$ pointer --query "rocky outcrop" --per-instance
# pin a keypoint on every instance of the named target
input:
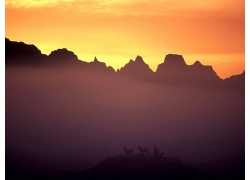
(97, 66)
(137, 69)
(174, 70)
(63, 55)
(19, 53)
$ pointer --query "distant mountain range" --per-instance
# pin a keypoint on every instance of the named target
(173, 70)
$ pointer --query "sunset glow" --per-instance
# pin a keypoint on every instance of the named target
(116, 31)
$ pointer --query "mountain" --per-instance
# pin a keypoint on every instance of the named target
(174, 70)
(100, 67)
(235, 82)
(19, 53)
(201, 72)
(62, 56)
(137, 69)
(65, 112)
(141, 167)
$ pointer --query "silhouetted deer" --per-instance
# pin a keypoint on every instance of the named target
(143, 149)
(157, 153)
(128, 151)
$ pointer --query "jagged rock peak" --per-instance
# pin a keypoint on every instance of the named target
(197, 63)
(98, 63)
(139, 59)
(95, 60)
(174, 59)
(131, 61)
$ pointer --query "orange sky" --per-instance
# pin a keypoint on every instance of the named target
(116, 31)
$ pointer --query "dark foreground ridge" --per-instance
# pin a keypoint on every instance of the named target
(173, 70)
(140, 167)
(146, 167)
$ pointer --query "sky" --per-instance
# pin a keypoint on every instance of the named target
(115, 31)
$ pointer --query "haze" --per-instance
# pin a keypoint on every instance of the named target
(68, 119)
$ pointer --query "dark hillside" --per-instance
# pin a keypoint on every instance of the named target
(141, 167)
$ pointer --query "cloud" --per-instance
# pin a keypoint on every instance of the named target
(30, 3)
(128, 7)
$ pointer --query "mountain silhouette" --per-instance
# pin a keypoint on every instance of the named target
(137, 69)
(172, 61)
(19, 53)
(205, 73)
(62, 56)
(100, 67)
(235, 82)
(141, 167)
(173, 70)
(62, 113)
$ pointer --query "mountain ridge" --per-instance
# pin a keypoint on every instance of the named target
(173, 70)
(167, 59)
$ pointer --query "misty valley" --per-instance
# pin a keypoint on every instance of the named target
(66, 115)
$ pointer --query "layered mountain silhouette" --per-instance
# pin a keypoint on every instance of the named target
(78, 112)
(19, 53)
(173, 70)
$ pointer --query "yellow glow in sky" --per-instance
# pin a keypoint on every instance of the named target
(117, 31)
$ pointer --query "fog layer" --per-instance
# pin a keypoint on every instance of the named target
(66, 119)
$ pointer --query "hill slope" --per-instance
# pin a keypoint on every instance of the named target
(141, 167)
